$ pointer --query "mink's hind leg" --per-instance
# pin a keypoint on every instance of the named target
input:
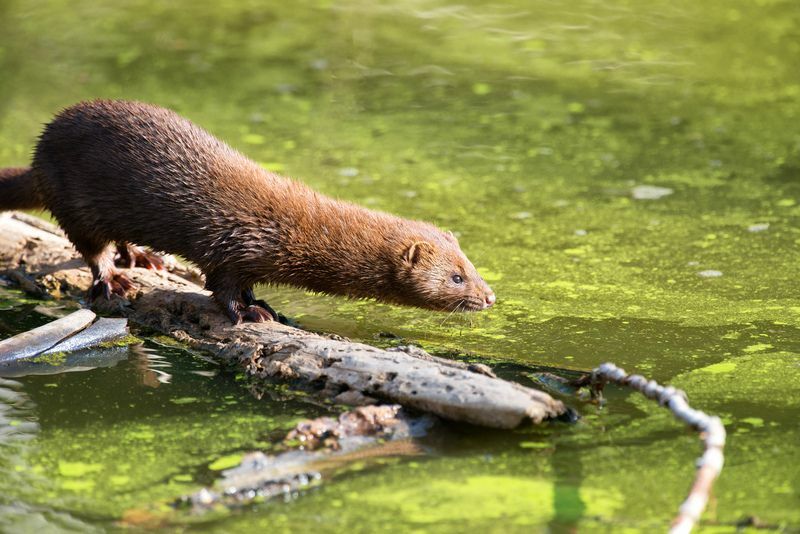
(129, 256)
(240, 305)
(106, 279)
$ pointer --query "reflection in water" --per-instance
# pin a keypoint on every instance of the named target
(18, 429)
(24, 518)
(568, 506)
(16, 414)
(150, 366)
(78, 361)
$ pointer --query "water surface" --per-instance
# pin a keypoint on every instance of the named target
(532, 130)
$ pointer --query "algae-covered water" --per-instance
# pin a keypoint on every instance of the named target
(626, 174)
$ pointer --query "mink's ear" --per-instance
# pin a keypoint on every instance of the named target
(415, 252)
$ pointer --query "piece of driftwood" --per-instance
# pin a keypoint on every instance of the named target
(36, 341)
(711, 429)
(103, 330)
(348, 372)
(74, 332)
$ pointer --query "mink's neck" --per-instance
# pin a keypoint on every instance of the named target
(333, 247)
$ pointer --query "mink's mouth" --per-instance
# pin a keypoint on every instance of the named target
(469, 304)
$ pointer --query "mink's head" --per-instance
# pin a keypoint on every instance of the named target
(434, 273)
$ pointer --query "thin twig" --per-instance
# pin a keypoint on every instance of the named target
(711, 429)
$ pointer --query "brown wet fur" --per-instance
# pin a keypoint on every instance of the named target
(18, 189)
(127, 172)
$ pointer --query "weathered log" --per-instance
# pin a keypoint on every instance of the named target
(176, 306)
(103, 331)
(38, 340)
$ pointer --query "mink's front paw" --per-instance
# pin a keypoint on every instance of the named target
(113, 284)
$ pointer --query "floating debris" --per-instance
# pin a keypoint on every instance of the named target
(348, 172)
(760, 227)
(709, 273)
(650, 192)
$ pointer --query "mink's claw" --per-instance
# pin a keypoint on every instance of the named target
(257, 314)
(113, 284)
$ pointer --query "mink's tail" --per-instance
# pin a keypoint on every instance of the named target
(18, 190)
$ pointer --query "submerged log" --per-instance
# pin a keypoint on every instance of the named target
(314, 450)
(171, 303)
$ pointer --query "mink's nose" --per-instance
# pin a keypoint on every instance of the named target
(489, 300)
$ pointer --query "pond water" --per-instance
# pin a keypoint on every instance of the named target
(625, 174)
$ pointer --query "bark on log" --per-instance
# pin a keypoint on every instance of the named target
(174, 305)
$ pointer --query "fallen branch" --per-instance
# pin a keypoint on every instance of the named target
(38, 340)
(349, 373)
(711, 430)
(75, 332)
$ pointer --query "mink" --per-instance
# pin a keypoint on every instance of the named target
(118, 172)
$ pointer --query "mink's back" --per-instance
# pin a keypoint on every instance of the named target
(127, 171)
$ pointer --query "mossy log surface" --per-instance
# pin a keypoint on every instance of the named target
(38, 257)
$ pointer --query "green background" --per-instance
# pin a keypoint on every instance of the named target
(524, 127)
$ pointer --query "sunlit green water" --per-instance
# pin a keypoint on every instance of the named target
(523, 127)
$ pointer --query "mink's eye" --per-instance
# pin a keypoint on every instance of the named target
(457, 279)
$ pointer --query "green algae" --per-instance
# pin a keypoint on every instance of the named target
(124, 341)
(474, 499)
(77, 469)
(762, 381)
(53, 358)
(184, 400)
(759, 396)
(225, 462)
(722, 367)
